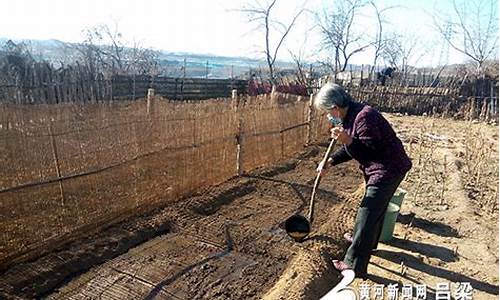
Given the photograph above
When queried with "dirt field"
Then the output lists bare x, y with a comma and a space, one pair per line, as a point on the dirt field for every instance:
228, 242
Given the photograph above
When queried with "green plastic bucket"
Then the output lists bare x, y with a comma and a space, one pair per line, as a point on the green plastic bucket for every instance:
391, 214
398, 197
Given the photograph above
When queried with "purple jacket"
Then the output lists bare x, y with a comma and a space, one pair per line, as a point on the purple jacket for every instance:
375, 146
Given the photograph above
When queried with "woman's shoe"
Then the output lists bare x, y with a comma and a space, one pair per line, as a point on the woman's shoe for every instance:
340, 265
348, 237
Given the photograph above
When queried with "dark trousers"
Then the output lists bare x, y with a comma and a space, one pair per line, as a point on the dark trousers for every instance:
368, 224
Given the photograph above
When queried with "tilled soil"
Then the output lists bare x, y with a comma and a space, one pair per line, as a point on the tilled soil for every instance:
226, 242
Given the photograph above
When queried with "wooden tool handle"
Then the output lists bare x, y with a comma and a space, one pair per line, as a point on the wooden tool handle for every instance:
318, 179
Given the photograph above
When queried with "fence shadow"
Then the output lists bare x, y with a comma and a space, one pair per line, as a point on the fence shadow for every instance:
442, 253
437, 228
300, 189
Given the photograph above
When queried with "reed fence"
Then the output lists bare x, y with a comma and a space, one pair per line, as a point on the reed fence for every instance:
431, 101
40, 83
70, 168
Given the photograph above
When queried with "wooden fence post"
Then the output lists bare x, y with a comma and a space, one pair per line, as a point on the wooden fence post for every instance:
274, 96
491, 110
471, 108
239, 157
150, 101
361, 76
56, 163
483, 115
111, 90
309, 120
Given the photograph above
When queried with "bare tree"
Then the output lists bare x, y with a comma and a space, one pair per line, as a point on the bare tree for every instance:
401, 51
339, 34
262, 15
303, 69
16, 61
392, 52
142, 61
107, 46
474, 29
104, 50
380, 40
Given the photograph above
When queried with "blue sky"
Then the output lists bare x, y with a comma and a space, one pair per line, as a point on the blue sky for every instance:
213, 27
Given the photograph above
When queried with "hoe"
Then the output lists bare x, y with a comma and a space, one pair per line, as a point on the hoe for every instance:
297, 226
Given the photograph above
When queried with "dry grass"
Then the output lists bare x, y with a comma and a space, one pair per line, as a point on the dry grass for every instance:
439, 147
429, 173
480, 174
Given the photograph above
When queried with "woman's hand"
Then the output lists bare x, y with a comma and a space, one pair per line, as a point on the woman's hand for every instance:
323, 166
341, 136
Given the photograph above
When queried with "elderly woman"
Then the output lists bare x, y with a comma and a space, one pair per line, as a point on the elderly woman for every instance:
367, 137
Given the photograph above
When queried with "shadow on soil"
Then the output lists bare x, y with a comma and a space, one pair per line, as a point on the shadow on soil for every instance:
302, 189
227, 197
158, 287
224, 198
79, 257
436, 228
414, 263
290, 165
442, 253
